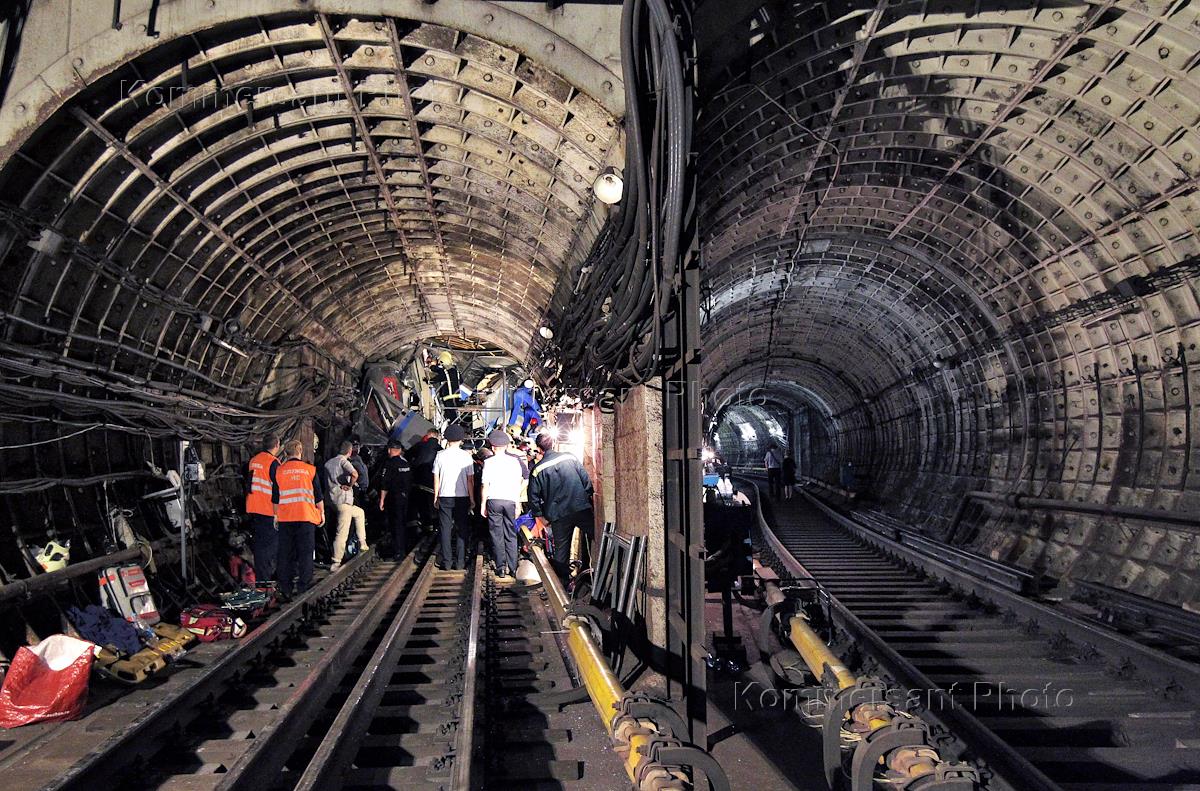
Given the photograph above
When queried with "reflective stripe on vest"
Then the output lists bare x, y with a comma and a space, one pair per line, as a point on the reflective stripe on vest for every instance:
296, 503
258, 499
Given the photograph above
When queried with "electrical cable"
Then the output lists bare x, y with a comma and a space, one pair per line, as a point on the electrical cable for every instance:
53, 439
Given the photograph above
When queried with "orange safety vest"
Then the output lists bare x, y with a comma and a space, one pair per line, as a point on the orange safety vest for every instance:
296, 503
258, 500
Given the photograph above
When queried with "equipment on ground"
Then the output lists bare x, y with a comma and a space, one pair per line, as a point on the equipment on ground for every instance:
211, 623
54, 556
125, 591
48, 681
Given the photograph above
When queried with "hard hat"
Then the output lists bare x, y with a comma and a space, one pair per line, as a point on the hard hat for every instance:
54, 556
446, 358
527, 573
529, 383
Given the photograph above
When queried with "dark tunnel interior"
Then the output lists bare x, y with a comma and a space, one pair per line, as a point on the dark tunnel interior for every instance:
951, 247
964, 247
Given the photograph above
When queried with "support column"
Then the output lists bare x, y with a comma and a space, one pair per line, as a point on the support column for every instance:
637, 454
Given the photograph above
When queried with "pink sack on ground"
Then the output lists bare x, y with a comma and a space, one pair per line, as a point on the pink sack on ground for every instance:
47, 682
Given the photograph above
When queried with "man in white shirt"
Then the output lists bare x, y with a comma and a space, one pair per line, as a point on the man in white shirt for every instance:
774, 464
454, 498
502, 480
340, 478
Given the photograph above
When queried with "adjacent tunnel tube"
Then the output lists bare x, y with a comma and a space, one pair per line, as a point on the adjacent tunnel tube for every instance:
965, 249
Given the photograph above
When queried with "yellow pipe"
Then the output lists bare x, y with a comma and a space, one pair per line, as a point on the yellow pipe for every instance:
601, 683
817, 655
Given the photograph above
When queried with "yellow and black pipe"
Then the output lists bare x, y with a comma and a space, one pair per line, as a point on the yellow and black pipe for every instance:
641, 730
858, 722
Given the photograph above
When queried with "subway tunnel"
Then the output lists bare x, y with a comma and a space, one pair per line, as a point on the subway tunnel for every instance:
869, 325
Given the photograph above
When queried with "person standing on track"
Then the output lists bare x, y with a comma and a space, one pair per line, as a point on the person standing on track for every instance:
454, 498
502, 479
774, 463
393, 497
301, 510
789, 476
262, 498
341, 477
421, 457
560, 492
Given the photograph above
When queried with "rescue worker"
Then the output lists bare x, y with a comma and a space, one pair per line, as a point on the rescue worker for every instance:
525, 408
443, 375
774, 464
421, 457
393, 496
340, 478
560, 493
502, 481
262, 498
454, 498
301, 509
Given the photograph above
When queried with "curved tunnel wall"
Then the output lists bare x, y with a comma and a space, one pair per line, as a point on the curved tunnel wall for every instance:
205, 231
975, 237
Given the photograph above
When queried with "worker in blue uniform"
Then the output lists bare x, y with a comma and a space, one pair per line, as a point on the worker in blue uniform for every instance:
525, 408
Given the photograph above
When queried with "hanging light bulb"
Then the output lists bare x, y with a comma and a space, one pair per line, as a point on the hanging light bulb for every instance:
609, 187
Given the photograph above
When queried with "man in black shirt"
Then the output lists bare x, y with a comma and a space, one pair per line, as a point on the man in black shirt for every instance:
393, 497
421, 456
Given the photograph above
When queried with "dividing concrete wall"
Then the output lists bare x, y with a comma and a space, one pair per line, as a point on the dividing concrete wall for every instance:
633, 488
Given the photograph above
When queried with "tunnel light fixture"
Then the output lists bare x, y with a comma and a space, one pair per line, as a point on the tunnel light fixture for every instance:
609, 187
546, 332
229, 347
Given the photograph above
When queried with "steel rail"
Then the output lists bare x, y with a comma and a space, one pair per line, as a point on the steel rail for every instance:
271, 748
1161, 668
337, 748
1015, 770
336, 752
144, 736
464, 748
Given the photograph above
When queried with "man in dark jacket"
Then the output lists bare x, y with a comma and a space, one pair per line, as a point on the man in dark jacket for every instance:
393, 497
560, 493
360, 466
421, 457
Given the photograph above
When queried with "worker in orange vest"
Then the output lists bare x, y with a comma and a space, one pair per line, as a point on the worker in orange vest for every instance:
301, 510
262, 496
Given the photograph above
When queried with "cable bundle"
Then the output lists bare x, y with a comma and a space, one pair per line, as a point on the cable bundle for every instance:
609, 330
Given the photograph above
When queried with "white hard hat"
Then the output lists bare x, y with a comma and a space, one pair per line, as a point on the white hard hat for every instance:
527, 573
529, 383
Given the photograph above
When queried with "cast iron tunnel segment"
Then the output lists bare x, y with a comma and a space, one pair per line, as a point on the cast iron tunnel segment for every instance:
1030, 705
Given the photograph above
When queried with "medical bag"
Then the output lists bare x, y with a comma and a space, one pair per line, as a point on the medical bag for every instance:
211, 623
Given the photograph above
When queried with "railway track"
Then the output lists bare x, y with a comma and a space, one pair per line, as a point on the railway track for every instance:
223, 727
408, 722
1036, 708
385, 675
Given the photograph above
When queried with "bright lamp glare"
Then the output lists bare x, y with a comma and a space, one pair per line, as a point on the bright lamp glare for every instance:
575, 438
708, 454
